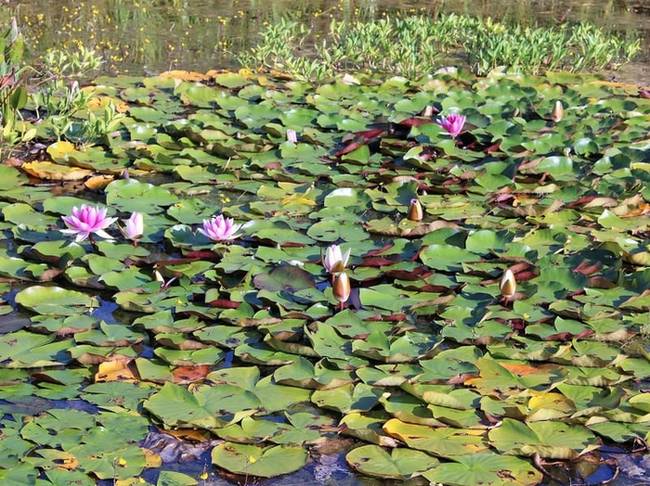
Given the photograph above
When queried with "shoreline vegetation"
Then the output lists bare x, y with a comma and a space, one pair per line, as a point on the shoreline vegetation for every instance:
416, 46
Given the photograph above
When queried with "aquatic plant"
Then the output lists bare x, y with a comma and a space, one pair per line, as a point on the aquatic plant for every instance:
335, 260
86, 221
245, 349
453, 124
133, 228
508, 284
219, 228
574, 48
415, 46
13, 93
558, 112
415, 212
341, 287
68, 63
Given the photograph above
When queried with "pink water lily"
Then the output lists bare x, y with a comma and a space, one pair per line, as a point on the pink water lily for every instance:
134, 227
453, 124
335, 260
220, 228
292, 136
87, 220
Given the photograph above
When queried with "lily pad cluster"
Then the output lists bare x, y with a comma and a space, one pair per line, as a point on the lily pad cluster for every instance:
427, 368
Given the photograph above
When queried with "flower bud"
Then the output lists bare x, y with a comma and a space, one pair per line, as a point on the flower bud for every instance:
415, 211
508, 285
558, 112
134, 227
341, 287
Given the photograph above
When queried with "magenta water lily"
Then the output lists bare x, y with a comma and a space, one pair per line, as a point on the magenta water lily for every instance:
87, 220
453, 124
220, 229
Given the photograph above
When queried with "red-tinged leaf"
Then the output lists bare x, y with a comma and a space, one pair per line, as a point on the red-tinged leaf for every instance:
50, 274
462, 378
433, 288
575, 293
504, 198
415, 122
201, 255
224, 304
525, 276
190, 374
581, 201
370, 134
376, 262
644, 93
587, 268
417, 274
518, 324
351, 147
520, 267
291, 244
495, 147
452, 181
521, 369
560, 336
585, 334
600, 282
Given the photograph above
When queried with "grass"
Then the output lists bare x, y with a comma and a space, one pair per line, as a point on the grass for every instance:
418, 45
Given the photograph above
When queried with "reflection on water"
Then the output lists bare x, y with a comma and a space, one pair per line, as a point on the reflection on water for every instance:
149, 36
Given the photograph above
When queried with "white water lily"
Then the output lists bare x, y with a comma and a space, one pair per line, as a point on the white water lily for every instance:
335, 260
292, 136
134, 227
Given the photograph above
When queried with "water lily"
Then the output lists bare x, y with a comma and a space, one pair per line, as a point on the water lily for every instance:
292, 136
134, 227
220, 229
508, 285
415, 211
453, 124
341, 287
335, 260
558, 112
87, 220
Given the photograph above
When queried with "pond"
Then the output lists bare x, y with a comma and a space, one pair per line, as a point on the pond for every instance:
496, 325
148, 36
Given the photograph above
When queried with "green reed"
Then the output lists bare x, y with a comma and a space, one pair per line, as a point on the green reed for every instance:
418, 45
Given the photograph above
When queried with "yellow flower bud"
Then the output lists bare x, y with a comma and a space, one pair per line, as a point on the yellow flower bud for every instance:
341, 287
416, 212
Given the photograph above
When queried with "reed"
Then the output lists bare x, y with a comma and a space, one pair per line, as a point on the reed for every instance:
417, 45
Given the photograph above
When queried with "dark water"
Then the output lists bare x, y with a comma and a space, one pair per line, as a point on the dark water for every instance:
150, 36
